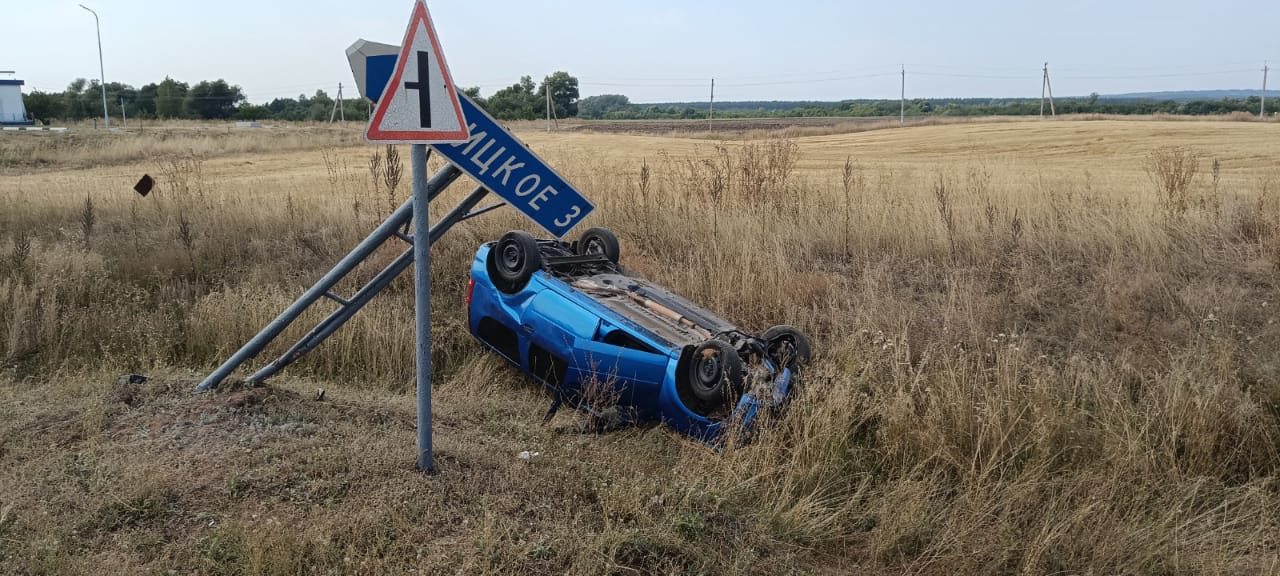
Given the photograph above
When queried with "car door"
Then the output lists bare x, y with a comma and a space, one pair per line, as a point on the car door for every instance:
555, 323
615, 364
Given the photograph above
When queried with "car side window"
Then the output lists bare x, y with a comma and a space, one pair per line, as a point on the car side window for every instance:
621, 339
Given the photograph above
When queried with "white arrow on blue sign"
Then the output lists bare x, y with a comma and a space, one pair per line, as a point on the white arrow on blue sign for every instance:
502, 163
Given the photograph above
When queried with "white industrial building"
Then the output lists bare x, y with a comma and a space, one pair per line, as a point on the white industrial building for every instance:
12, 112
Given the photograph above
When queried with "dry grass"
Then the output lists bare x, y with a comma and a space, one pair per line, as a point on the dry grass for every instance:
763, 128
86, 148
1028, 363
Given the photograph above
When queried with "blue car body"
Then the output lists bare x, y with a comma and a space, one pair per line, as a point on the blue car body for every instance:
569, 338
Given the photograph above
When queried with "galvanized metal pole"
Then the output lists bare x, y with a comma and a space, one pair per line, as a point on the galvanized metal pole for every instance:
422, 291
102, 75
357, 255
379, 282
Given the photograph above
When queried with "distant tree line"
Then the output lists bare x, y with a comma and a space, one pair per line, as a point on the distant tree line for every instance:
525, 100
617, 107
169, 98
219, 100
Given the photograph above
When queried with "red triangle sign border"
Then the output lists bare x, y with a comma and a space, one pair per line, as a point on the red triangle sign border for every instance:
426, 135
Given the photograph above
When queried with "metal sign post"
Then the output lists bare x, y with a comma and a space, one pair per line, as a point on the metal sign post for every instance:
430, 114
422, 302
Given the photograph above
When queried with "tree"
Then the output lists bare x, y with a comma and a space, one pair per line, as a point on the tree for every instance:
474, 93
146, 104
91, 99
171, 98
516, 102
117, 93
213, 100
44, 106
596, 107
321, 106
286, 109
564, 93
252, 112
74, 101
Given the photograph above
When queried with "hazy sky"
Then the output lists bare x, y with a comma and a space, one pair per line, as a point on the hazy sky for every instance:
664, 50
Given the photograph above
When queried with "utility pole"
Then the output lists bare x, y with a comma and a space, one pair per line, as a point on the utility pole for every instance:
102, 75
546, 87
342, 110
902, 103
711, 107
337, 105
1046, 85
124, 117
1262, 108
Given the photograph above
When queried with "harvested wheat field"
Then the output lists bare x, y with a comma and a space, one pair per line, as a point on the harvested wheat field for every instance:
1041, 348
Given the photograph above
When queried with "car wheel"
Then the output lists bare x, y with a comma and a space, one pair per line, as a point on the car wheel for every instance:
600, 241
715, 372
787, 346
513, 260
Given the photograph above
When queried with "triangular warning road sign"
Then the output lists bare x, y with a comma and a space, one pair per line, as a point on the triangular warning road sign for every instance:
419, 104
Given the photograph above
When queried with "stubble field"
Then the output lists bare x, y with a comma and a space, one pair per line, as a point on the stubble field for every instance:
1042, 348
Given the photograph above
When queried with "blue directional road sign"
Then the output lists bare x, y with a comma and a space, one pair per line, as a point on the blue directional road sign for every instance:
371, 60
501, 163
504, 165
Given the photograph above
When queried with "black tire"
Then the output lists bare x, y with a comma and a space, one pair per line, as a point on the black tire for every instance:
715, 373
787, 346
600, 241
513, 260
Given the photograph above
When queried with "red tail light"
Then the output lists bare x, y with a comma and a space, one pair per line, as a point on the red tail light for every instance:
471, 286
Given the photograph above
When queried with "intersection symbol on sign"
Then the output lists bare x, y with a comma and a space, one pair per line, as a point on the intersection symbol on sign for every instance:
419, 103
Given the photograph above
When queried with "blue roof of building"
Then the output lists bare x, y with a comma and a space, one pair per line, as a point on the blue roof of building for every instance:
11, 82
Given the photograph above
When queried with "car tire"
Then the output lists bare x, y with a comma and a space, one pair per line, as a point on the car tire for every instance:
787, 346
715, 373
600, 241
513, 260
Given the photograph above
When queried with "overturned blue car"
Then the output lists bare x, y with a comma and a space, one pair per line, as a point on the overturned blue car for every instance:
570, 316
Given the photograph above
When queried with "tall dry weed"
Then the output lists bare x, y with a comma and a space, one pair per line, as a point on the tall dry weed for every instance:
1173, 171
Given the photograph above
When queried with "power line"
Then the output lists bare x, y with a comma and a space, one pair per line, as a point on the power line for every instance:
1200, 66
810, 81
1174, 75
985, 76
582, 82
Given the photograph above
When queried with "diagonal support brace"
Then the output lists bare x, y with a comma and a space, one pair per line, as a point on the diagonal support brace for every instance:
384, 278
402, 215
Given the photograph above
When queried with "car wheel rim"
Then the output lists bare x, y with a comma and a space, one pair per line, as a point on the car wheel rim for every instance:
511, 257
595, 246
709, 373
